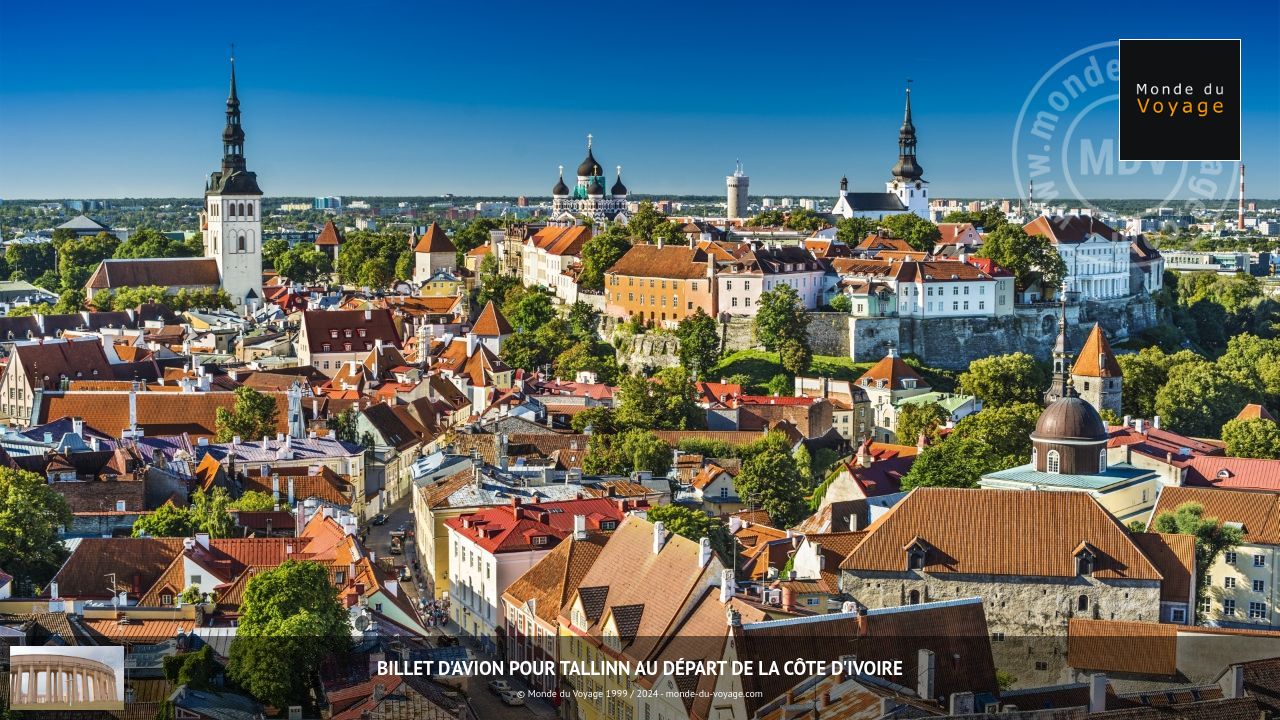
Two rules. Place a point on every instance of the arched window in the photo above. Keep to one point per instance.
(1035, 455)
(240, 243)
(241, 213)
(1082, 603)
(249, 209)
(1102, 460)
(1052, 462)
(914, 598)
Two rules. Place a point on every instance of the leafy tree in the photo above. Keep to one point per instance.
(29, 310)
(148, 243)
(1199, 399)
(1004, 433)
(28, 261)
(1257, 362)
(254, 501)
(290, 622)
(541, 347)
(193, 669)
(795, 355)
(1145, 372)
(493, 285)
(372, 258)
(1005, 379)
(211, 512)
(601, 252)
(770, 480)
(77, 259)
(644, 222)
(343, 425)
(699, 337)
(603, 456)
(1256, 438)
(918, 232)
(780, 317)
(191, 595)
(768, 218)
(852, 231)
(588, 356)
(805, 220)
(530, 311)
(665, 403)
(1024, 255)
(1212, 539)
(31, 513)
(253, 416)
(780, 384)
(804, 464)
(304, 263)
(272, 249)
(168, 520)
(642, 450)
(599, 418)
(915, 419)
(376, 273)
(954, 462)
(70, 301)
(841, 303)
(693, 525)
(988, 218)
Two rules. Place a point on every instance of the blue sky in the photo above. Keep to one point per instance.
(488, 98)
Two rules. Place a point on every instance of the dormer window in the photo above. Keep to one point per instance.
(539, 539)
(333, 333)
(1086, 561)
(917, 555)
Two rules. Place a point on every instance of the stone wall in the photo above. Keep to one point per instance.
(649, 352)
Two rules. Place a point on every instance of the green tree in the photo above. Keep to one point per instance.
(644, 222)
(795, 355)
(770, 481)
(530, 311)
(28, 261)
(272, 249)
(699, 337)
(254, 501)
(1024, 255)
(376, 273)
(343, 426)
(1145, 372)
(493, 285)
(642, 450)
(768, 218)
(841, 303)
(588, 356)
(917, 418)
(805, 220)
(168, 520)
(290, 622)
(1199, 398)
(693, 525)
(583, 320)
(951, 463)
(1212, 539)
(533, 350)
(600, 252)
(149, 243)
(70, 301)
(1005, 379)
(1004, 433)
(193, 669)
(253, 416)
(191, 596)
(475, 234)
(603, 456)
(779, 318)
(988, 219)
(1255, 438)
(664, 403)
(31, 514)
(211, 512)
(77, 259)
(918, 232)
(29, 310)
(304, 263)
(852, 231)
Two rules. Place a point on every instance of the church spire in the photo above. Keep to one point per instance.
(907, 168)
(233, 133)
(1060, 385)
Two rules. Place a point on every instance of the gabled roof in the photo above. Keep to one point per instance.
(893, 370)
(45, 362)
(1257, 511)
(549, 583)
(361, 328)
(1233, 472)
(166, 272)
(1116, 646)
(1254, 411)
(167, 413)
(434, 241)
(82, 222)
(669, 261)
(512, 528)
(556, 240)
(873, 201)
(491, 322)
(329, 235)
(1022, 533)
(1175, 557)
(1096, 359)
(1070, 228)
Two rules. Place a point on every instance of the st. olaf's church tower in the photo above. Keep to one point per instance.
(232, 217)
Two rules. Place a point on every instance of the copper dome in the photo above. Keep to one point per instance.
(1070, 419)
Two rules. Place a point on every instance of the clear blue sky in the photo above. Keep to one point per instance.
(489, 97)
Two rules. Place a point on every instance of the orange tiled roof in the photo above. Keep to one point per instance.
(556, 240)
(670, 261)
(1096, 358)
(434, 241)
(1113, 646)
(893, 370)
(166, 413)
(549, 583)
(1258, 511)
(329, 235)
(491, 322)
(1254, 411)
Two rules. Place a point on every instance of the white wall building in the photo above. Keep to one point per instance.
(1097, 257)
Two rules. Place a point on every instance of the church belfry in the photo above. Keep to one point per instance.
(232, 217)
(1060, 385)
(907, 177)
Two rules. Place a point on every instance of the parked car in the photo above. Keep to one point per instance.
(500, 686)
(379, 519)
(511, 697)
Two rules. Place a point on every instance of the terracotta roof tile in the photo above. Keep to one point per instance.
(1233, 473)
(1096, 358)
(1115, 646)
(491, 322)
(1254, 411)
(549, 583)
(165, 272)
(157, 413)
(434, 241)
(1070, 228)
(1257, 511)
(670, 261)
(893, 370)
(329, 236)
(557, 240)
(1175, 557)
(44, 363)
(361, 328)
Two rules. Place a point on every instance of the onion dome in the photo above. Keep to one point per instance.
(619, 190)
(1070, 419)
(588, 166)
(596, 188)
(560, 190)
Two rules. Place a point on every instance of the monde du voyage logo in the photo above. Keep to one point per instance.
(1180, 100)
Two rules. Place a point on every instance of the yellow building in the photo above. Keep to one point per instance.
(1242, 581)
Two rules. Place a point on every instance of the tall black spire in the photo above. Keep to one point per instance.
(1060, 385)
(907, 167)
(233, 178)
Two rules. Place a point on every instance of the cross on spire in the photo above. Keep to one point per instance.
(588, 141)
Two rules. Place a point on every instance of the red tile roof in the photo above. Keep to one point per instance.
(556, 240)
(491, 322)
(1254, 411)
(1258, 512)
(167, 413)
(45, 362)
(1096, 359)
(165, 272)
(358, 327)
(329, 235)
(514, 528)
(1070, 228)
(893, 370)
(434, 241)
(670, 261)
(1233, 472)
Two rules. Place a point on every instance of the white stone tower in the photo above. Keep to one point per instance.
(737, 184)
(907, 181)
(233, 214)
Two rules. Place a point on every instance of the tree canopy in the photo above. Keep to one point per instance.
(770, 480)
(781, 325)
(1212, 538)
(600, 253)
(1024, 255)
(665, 402)
(1005, 379)
(254, 416)
(699, 337)
(918, 232)
(304, 263)
(1255, 438)
(31, 515)
(915, 419)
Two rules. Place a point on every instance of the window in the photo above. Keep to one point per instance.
(997, 637)
(955, 305)
(120, 506)
(1052, 462)
(1082, 603)
(240, 243)
(1259, 586)
(1228, 607)
(250, 210)
(1259, 560)
(1257, 611)
(1206, 604)
(1228, 582)
(1102, 467)
(914, 598)
(1041, 665)
(195, 580)
(1178, 615)
(540, 540)
(811, 601)
(1229, 557)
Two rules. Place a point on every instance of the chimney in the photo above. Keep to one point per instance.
(961, 703)
(202, 539)
(926, 674)
(579, 527)
(471, 344)
(1233, 682)
(735, 524)
(726, 585)
(393, 587)
(53, 592)
(1155, 421)
(77, 426)
(1139, 426)
(275, 489)
(368, 315)
(290, 490)
(704, 551)
(1097, 692)
(659, 537)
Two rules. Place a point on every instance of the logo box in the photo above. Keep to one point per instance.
(1180, 100)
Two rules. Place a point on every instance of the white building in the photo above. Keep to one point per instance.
(757, 268)
(904, 192)
(1096, 256)
(548, 257)
(926, 288)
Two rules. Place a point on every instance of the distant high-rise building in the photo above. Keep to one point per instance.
(522, 201)
(786, 202)
(766, 202)
(737, 184)
(327, 203)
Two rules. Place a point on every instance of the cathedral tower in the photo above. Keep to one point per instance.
(907, 180)
(233, 214)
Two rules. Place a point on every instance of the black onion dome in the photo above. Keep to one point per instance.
(1070, 419)
(596, 187)
(589, 166)
(907, 168)
(618, 187)
(560, 188)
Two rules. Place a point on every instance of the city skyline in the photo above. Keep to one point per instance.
(417, 110)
